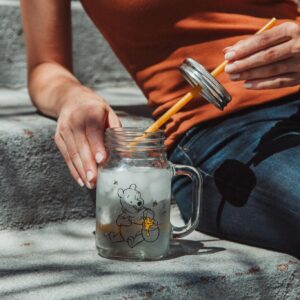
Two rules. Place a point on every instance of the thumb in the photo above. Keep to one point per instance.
(113, 120)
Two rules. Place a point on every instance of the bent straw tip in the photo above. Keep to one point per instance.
(271, 22)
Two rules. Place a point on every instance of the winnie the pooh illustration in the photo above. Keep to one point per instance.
(136, 222)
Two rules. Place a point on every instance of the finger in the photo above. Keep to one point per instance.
(264, 57)
(63, 150)
(276, 82)
(68, 138)
(276, 35)
(94, 133)
(271, 70)
(86, 157)
(226, 49)
(113, 120)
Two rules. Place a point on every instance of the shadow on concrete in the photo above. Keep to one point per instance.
(133, 110)
(245, 278)
(180, 248)
(87, 269)
(16, 106)
(61, 275)
(17, 114)
(189, 285)
(16, 110)
(70, 233)
(31, 289)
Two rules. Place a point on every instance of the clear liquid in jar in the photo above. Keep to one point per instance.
(133, 213)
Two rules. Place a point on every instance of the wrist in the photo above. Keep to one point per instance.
(76, 95)
(68, 92)
(48, 86)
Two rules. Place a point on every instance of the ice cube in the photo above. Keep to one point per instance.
(160, 188)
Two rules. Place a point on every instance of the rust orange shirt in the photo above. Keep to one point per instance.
(153, 37)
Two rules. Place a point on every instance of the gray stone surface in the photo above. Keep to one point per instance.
(94, 61)
(35, 185)
(60, 262)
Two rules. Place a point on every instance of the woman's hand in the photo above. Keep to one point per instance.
(80, 133)
(267, 61)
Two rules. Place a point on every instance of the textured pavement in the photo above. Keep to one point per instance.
(94, 61)
(60, 262)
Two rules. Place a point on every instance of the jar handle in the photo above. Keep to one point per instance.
(196, 177)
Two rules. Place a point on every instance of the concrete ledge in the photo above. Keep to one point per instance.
(94, 62)
(60, 262)
(35, 185)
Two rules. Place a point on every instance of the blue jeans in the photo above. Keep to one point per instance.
(250, 162)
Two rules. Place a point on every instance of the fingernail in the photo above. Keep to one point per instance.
(230, 55)
(248, 85)
(89, 175)
(234, 76)
(80, 182)
(226, 49)
(89, 185)
(99, 157)
(229, 68)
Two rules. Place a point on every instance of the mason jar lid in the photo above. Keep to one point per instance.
(211, 90)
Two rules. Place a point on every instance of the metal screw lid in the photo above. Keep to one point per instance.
(211, 90)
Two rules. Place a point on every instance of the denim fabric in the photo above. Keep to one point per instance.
(250, 162)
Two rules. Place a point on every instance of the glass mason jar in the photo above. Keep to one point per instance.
(134, 197)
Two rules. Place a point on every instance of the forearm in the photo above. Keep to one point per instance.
(49, 85)
(81, 114)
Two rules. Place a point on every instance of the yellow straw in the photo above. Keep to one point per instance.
(193, 93)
